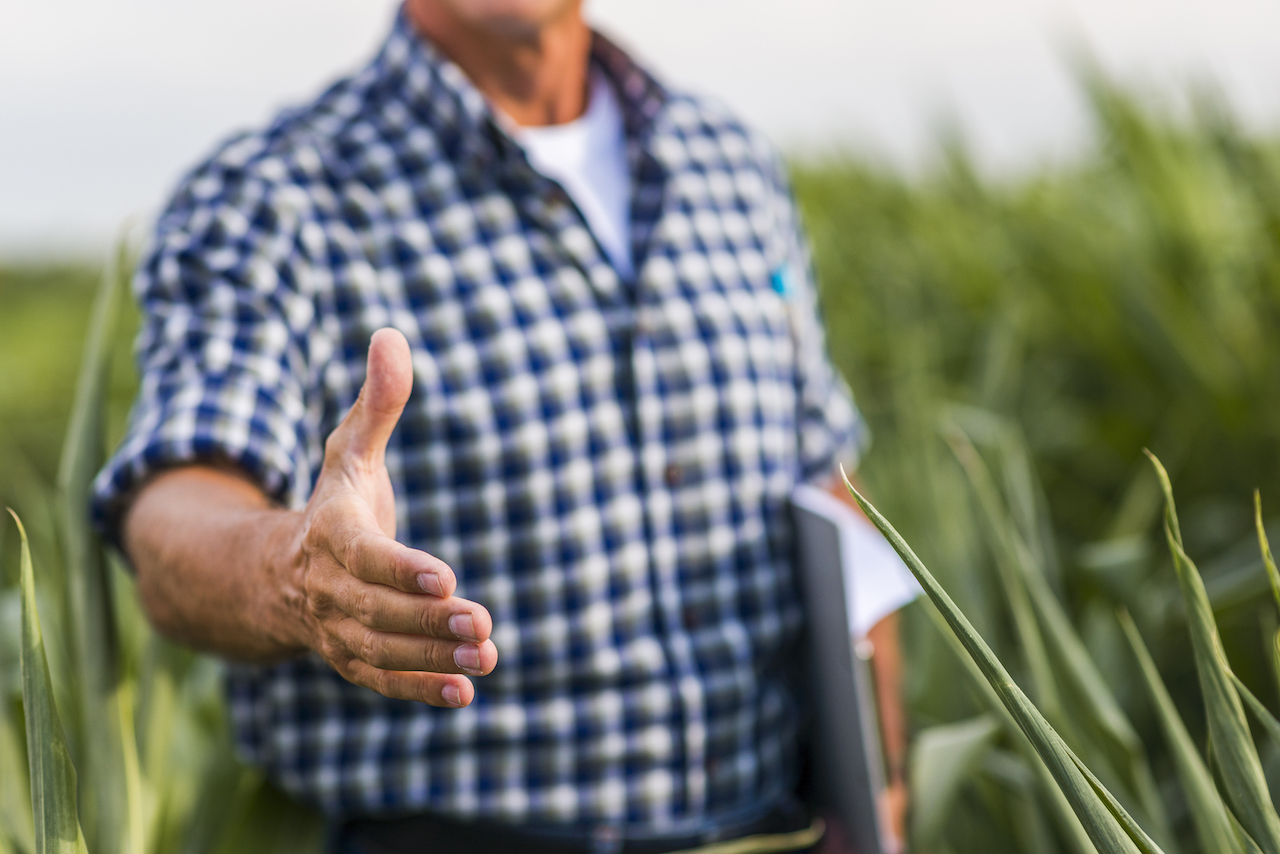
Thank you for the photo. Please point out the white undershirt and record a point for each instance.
(588, 157)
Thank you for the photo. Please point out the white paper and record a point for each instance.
(876, 581)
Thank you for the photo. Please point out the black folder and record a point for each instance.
(844, 742)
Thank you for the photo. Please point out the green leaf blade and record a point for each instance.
(1265, 547)
(53, 777)
(107, 805)
(941, 759)
(1059, 663)
(1209, 814)
(1229, 733)
(1261, 712)
(1228, 730)
(1099, 822)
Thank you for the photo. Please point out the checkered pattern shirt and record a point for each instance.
(604, 463)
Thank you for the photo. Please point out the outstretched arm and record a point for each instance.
(221, 569)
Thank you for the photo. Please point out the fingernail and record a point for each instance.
(468, 658)
(430, 582)
(451, 695)
(463, 627)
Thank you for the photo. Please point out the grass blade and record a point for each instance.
(1242, 836)
(1228, 730)
(1274, 655)
(1068, 821)
(105, 801)
(1058, 632)
(942, 758)
(1096, 816)
(1261, 712)
(1166, 487)
(15, 794)
(1025, 803)
(53, 777)
(1209, 814)
(1117, 810)
(1096, 725)
(1013, 572)
(1267, 560)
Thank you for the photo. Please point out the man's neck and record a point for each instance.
(536, 74)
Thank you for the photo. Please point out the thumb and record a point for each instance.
(388, 382)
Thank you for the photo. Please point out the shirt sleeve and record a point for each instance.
(831, 429)
(221, 359)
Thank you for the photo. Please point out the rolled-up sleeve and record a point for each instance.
(221, 353)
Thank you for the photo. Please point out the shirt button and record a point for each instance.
(672, 475)
(690, 616)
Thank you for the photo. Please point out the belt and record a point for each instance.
(785, 828)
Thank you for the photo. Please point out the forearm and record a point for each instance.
(886, 668)
(216, 564)
(220, 569)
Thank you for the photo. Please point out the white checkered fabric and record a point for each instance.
(604, 463)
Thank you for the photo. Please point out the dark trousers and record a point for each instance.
(433, 834)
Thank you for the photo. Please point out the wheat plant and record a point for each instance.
(118, 743)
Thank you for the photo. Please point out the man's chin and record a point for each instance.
(512, 18)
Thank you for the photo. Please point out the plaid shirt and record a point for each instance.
(604, 463)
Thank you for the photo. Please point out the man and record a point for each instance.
(498, 351)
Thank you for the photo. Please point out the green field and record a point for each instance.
(1045, 329)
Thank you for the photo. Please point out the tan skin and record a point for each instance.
(529, 57)
(220, 568)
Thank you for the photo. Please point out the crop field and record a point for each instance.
(1015, 346)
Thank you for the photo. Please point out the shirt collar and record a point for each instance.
(640, 96)
(439, 93)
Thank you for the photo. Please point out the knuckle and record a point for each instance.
(346, 549)
(315, 558)
(427, 622)
(316, 611)
(438, 658)
(404, 687)
(369, 647)
(322, 519)
(364, 607)
(334, 652)
(425, 693)
(381, 682)
(318, 597)
(399, 568)
(310, 545)
(422, 690)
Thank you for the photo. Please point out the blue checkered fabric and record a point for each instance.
(604, 463)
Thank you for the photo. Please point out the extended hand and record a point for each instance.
(382, 614)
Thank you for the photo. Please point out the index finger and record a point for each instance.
(374, 557)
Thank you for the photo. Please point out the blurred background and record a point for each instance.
(1047, 236)
(104, 105)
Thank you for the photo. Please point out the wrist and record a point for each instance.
(283, 607)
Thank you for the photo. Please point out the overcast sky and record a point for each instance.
(104, 104)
